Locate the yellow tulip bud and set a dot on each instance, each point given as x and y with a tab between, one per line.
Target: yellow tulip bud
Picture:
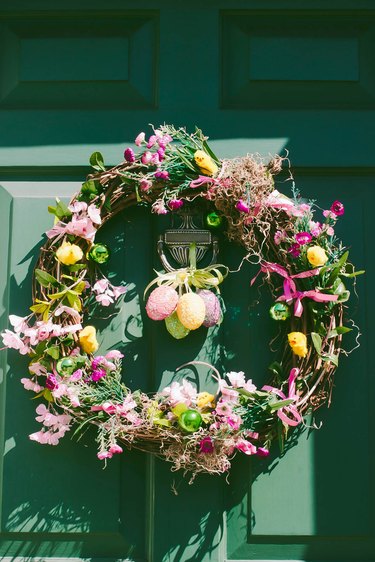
69	254
298	343
205	163
316	256
204	399
87	339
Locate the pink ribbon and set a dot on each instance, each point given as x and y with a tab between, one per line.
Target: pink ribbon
290	290
291	410
202	180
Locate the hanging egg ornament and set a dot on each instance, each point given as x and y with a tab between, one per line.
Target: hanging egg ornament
190	421
175	328
161	303
191	310
99	253
279	311
214	221
65	366
213	308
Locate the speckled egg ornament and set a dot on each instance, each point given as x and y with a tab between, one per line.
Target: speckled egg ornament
161	303
191	310
213	308
175	328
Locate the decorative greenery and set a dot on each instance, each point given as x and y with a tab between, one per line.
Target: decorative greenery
301	260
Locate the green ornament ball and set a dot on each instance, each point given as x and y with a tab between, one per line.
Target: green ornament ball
190	421
99	253
66	366
175	327
279	311
213	220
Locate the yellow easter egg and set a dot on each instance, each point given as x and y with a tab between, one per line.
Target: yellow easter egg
191	310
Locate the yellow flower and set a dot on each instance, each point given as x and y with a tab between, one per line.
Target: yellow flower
87	339
205	163
69	254
316	256
204	399
298	343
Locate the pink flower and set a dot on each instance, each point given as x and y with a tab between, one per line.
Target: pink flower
98	374
249	386
118	291
262	452
337	208
115	449
155	159
114	354
164	140
129	155
104	299
13	341
303	238
315	228
104	455
51	382
242	207
176	392
37	369
175	204
68	310
94	214
246	447
128	404
223	408
234	421
146	157
78	207
295	250
330	231
140	139
279	237
151	141
83	228
100	286
59	391
236	379
161	153
228	394
159	208
19	323
161	174
145	185
28	384
76	376
206	445
329	215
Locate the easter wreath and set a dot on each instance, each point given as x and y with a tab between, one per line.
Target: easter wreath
301	260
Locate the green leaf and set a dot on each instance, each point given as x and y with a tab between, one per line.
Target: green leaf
162	421
354	273
276	368
45	279
53	351
90	187
74	301
62	210
97	161
336	268
39	308
280	404
317	342
331	358
339	330
77	267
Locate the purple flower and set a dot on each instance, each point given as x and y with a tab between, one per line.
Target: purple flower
163	141
140	139
242	207
303	238
175	204
51	382
337	208
295	250
151	141
206	445
129	155
262	452
161	153
279	237
162	174
98	374
145	185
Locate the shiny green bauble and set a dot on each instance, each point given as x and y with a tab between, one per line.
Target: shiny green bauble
279	311
66	366
99	253
213	220
190	421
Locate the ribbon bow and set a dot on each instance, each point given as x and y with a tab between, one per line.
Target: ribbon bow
290	289
288	410
202	180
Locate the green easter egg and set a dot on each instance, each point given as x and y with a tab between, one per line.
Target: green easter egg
190	421
175	328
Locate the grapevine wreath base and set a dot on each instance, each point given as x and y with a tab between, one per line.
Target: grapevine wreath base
299	258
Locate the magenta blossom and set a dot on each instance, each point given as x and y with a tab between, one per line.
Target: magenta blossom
51	382
206	445
162	174
303	238
295	250
159	208
337	208
246	447
145	185
262	452
146	158
151	141
279	237
175	204
129	155
115	449
98	374
161	153
242	207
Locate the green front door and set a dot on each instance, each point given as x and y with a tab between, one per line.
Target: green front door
256	76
